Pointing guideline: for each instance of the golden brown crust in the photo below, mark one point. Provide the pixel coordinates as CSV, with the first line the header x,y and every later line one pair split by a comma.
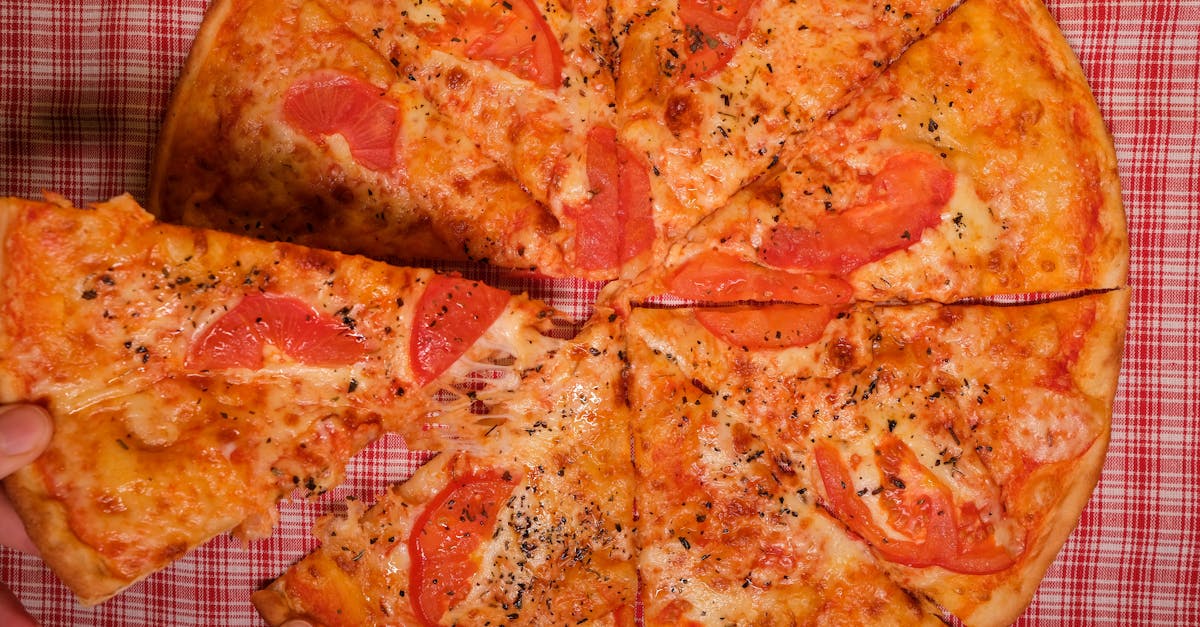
x,y
80,567
167,143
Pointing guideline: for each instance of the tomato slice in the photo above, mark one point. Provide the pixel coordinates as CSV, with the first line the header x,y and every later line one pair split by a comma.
x,y
906,198
452,313
328,102
722,278
445,537
237,338
634,206
919,506
617,223
769,327
513,34
598,222
715,29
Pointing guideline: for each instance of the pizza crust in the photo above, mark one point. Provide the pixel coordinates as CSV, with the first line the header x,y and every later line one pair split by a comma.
x,y
82,569
168,139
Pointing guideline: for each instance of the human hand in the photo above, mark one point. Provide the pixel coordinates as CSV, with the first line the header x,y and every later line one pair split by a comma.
x,y
24,433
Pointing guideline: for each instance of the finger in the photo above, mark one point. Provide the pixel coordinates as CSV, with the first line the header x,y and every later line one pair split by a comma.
x,y
11,612
295,622
24,432
12,530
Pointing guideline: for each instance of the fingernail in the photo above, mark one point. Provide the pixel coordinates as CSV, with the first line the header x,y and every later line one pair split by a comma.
x,y
22,429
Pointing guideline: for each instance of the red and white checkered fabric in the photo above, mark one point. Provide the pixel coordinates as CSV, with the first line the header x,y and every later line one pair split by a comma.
x,y
83,87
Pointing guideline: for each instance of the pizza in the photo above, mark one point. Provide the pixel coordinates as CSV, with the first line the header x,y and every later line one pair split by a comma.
x,y
855,362
198,377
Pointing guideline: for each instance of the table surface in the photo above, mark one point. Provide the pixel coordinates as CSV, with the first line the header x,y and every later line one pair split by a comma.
x,y
83,88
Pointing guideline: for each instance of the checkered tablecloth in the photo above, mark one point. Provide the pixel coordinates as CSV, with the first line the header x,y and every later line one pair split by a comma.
x,y
83,88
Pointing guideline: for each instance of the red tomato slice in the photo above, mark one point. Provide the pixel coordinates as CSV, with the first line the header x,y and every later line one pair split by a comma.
x,y
770,327
846,506
918,505
906,197
452,314
722,278
634,206
598,223
328,102
617,222
445,537
513,34
236,339
715,29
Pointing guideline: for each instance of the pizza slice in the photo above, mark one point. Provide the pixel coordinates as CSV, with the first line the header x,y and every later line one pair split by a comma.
x,y
864,464
195,377
525,80
710,91
969,169
730,528
532,525
530,84
287,126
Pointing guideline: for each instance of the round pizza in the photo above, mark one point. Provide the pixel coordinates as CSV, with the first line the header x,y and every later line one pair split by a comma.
x,y
854,362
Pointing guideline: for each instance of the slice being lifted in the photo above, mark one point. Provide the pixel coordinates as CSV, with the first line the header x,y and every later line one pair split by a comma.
x,y
196,377
532,526
967,170
901,464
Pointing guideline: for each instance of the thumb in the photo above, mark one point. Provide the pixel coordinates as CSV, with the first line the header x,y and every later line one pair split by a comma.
x,y
24,432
